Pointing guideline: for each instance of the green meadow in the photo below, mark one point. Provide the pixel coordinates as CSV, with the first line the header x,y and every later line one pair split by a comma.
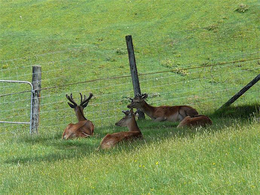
x,y
191,52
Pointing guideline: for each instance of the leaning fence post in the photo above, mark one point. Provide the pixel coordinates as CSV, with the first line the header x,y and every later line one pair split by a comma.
x,y
36,82
133,69
241,92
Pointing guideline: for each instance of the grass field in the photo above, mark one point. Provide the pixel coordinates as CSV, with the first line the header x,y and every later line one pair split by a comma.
x,y
223,159
188,52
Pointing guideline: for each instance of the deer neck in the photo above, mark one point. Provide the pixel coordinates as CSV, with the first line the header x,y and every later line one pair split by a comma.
x,y
80,115
148,109
132,126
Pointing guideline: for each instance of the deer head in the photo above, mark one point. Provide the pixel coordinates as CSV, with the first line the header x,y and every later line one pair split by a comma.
x,y
128,120
79,108
138,101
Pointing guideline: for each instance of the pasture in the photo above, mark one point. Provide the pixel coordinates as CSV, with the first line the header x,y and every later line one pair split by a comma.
x,y
196,53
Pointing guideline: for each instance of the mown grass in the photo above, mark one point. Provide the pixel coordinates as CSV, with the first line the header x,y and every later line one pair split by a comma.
x,y
78,41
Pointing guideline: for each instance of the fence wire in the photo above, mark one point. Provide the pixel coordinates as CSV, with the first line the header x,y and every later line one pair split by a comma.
x,y
187,86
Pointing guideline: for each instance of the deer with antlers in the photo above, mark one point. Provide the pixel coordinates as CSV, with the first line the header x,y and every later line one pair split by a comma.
x,y
110,140
162,113
196,121
84,127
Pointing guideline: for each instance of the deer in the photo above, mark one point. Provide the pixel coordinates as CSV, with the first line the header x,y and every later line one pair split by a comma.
x,y
196,121
84,127
134,133
161,113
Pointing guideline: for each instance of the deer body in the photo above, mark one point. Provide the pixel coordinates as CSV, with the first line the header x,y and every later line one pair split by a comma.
x,y
110,140
84,127
80,129
162,113
196,121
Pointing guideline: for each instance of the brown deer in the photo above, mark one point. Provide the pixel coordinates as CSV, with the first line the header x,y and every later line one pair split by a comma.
x,y
162,113
196,121
110,140
84,127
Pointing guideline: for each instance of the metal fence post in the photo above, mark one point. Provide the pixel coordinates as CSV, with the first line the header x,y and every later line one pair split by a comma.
x,y
241,92
36,82
133,69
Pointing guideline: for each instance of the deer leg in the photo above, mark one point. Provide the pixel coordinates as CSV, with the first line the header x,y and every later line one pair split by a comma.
x,y
85,134
181,115
160,119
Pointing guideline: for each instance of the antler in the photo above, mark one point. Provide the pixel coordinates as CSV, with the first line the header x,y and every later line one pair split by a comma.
x,y
74,104
143,96
85,101
126,112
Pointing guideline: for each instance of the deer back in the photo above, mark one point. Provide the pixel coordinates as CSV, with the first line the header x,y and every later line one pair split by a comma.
x,y
196,121
110,140
87,128
76,130
161,113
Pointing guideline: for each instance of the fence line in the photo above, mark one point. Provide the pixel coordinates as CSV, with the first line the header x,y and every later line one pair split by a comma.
x,y
107,108
141,74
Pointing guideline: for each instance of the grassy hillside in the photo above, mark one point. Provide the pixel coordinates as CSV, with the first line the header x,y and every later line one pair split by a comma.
x,y
80,33
188,52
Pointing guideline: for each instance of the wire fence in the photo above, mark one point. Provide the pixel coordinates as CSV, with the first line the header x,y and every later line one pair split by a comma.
x,y
204,78
187,86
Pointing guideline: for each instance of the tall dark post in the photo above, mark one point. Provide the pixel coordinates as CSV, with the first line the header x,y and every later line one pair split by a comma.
x,y
36,82
133,70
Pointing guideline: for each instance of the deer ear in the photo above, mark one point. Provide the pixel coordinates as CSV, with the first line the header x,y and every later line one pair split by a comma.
x,y
144,96
125,112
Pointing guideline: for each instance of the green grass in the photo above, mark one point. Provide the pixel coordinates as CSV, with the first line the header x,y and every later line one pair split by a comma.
x,y
222,159
188,52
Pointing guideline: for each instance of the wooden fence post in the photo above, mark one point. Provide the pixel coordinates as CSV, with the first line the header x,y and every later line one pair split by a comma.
x,y
36,82
133,69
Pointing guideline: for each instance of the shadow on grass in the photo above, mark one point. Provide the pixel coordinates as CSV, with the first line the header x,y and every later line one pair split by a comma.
x,y
239,112
152,131
50,148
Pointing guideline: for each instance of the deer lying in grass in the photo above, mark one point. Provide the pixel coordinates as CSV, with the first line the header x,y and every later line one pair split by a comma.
x,y
110,140
162,113
84,127
196,121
